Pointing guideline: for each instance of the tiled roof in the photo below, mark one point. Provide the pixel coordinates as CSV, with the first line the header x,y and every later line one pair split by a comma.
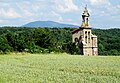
x,y
75,30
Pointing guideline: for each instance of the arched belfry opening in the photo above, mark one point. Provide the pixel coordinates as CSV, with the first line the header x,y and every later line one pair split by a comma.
x,y
87,42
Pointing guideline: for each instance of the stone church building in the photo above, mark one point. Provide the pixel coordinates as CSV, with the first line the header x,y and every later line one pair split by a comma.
x,y
83,37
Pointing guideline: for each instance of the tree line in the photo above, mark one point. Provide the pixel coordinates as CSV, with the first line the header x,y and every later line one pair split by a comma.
x,y
48,40
108,41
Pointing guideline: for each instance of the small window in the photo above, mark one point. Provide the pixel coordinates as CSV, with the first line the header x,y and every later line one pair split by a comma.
x,y
89,37
86,37
76,39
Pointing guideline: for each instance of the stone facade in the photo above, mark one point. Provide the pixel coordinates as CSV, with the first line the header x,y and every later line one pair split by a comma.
x,y
83,37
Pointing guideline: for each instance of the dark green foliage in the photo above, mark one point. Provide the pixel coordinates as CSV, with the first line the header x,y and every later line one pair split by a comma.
x,y
33,40
43,38
4,46
47,40
108,41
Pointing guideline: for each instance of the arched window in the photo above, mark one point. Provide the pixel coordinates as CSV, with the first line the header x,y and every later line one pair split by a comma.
x,y
86,37
76,40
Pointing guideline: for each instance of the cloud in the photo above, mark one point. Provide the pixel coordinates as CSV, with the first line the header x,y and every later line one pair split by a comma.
x,y
99,2
71,21
39,10
9,13
14,1
58,16
25,9
19,12
66,6
3,21
118,6
51,15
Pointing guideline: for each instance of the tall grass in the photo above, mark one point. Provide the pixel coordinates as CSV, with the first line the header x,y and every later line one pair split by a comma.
x,y
59,68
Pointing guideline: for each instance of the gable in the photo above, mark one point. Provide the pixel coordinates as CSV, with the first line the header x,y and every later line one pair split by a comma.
x,y
75,30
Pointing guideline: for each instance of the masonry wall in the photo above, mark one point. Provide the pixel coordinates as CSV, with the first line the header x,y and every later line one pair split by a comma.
x,y
94,45
87,51
75,35
91,47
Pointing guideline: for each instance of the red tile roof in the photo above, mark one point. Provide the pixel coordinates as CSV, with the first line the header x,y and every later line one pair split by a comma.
x,y
75,30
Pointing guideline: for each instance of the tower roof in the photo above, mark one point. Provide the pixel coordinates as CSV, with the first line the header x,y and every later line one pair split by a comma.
x,y
85,18
86,13
85,21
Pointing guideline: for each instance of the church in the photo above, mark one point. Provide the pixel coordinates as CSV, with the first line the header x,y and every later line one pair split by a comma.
x,y
83,37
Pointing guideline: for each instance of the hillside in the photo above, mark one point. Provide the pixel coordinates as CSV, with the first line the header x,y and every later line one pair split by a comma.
x,y
50,24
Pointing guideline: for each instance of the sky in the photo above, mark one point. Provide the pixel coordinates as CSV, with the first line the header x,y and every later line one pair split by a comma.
x,y
103,13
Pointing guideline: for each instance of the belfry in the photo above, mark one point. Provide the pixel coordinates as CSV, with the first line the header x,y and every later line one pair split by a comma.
x,y
83,37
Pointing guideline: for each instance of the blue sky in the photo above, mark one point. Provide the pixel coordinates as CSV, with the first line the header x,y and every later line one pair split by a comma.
x,y
104,13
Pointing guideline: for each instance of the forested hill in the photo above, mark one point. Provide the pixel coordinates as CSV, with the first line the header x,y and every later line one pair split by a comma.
x,y
50,24
109,41
47,40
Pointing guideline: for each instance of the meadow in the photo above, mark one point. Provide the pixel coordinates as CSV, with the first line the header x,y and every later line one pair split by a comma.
x,y
59,68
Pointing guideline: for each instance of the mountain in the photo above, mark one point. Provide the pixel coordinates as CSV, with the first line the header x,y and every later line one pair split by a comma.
x,y
50,24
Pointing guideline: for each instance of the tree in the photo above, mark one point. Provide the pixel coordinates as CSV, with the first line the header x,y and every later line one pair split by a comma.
x,y
43,38
4,46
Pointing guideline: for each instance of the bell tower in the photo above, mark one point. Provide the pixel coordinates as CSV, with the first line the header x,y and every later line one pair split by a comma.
x,y
85,18
87,42
86,33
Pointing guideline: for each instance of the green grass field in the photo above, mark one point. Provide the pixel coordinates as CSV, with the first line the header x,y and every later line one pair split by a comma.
x,y
59,68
